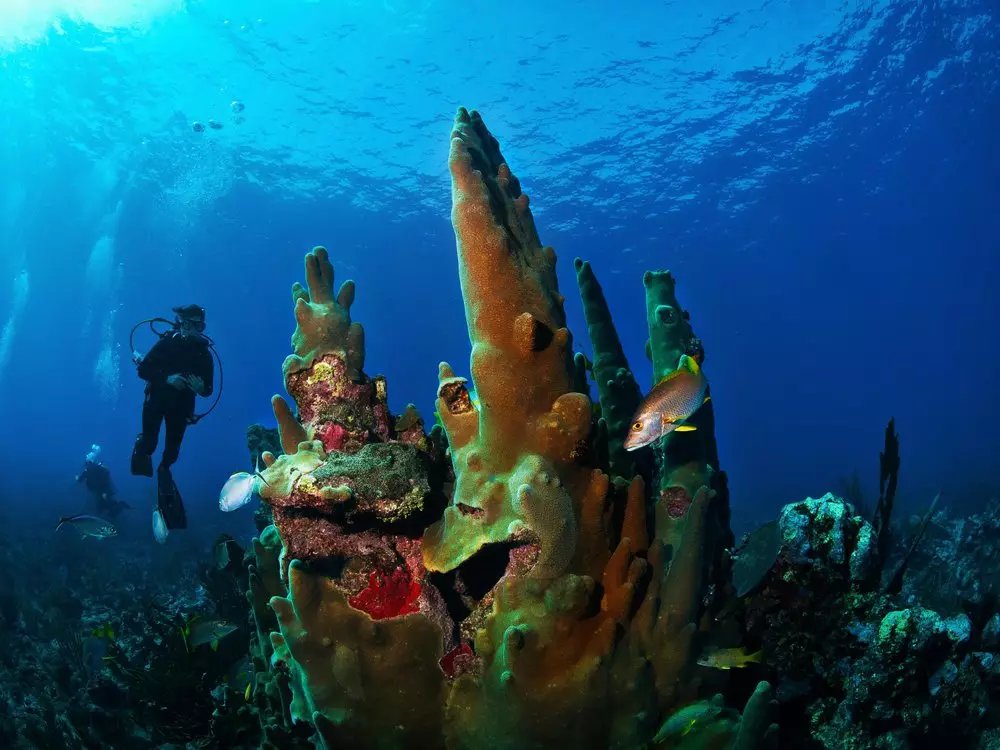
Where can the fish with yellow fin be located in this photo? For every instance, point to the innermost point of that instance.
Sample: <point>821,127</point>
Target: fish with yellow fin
<point>689,719</point>
<point>729,658</point>
<point>105,631</point>
<point>669,404</point>
<point>198,631</point>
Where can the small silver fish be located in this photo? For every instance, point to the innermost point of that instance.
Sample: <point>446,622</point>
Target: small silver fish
<point>240,489</point>
<point>673,400</point>
<point>226,552</point>
<point>86,525</point>
<point>160,530</point>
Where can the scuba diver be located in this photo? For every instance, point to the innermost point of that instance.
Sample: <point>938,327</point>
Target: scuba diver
<point>177,368</point>
<point>97,479</point>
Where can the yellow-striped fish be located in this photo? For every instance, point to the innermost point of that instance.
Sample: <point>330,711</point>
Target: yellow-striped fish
<point>665,409</point>
<point>729,658</point>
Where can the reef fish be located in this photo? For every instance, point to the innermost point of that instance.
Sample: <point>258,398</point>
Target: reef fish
<point>88,526</point>
<point>754,560</point>
<point>198,632</point>
<point>682,723</point>
<point>729,658</point>
<point>160,530</point>
<point>240,677</point>
<point>671,401</point>
<point>240,489</point>
<point>227,553</point>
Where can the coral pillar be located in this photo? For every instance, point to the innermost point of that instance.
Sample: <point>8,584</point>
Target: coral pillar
<point>518,455</point>
<point>617,390</point>
<point>689,460</point>
<point>588,638</point>
<point>350,497</point>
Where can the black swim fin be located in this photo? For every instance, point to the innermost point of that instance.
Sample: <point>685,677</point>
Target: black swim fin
<point>142,464</point>
<point>168,501</point>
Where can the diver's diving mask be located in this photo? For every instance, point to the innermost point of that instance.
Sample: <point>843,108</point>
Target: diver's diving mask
<point>191,315</point>
<point>198,325</point>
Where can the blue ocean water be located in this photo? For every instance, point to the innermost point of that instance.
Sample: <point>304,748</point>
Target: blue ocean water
<point>822,178</point>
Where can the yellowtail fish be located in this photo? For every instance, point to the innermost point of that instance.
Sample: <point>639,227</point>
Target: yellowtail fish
<point>672,401</point>
<point>729,658</point>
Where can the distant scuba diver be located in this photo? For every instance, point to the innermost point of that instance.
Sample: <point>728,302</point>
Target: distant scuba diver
<point>176,369</point>
<point>97,479</point>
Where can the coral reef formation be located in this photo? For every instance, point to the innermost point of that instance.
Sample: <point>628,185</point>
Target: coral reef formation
<point>957,568</point>
<point>854,667</point>
<point>488,585</point>
<point>514,578</point>
<point>93,654</point>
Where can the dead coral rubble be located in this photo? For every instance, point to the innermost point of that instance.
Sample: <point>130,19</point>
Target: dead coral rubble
<point>536,607</point>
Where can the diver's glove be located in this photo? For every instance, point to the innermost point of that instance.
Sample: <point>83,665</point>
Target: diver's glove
<point>137,358</point>
<point>196,384</point>
<point>177,380</point>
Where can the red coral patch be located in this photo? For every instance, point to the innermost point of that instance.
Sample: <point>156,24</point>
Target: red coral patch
<point>334,437</point>
<point>388,597</point>
<point>458,660</point>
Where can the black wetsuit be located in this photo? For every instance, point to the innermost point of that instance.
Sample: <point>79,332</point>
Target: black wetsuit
<point>97,479</point>
<point>164,404</point>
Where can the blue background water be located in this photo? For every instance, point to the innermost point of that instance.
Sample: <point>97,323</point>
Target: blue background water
<point>822,177</point>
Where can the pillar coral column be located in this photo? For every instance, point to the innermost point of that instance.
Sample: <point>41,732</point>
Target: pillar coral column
<point>617,389</point>
<point>347,459</point>
<point>588,639</point>
<point>351,497</point>
<point>688,460</point>
<point>518,456</point>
